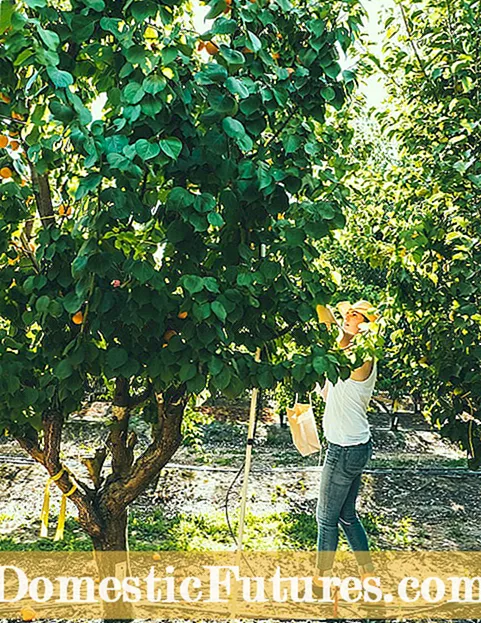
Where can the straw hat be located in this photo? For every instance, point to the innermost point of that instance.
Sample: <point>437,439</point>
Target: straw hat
<point>363,307</point>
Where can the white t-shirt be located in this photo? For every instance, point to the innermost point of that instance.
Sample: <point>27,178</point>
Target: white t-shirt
<point>345,421</point>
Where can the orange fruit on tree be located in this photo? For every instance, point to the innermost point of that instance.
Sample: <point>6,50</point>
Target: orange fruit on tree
<point>290,71</point>
<point>247,51</point>
<point>5,98</point>
<point>6,172</point>
<point>23,182</point>
<point>276,56</point>
<point>28,613</point>
<point>211,48</point>
<point>169,334</point>
<point>3,141</point>
<point>78,318</point>
<point>17,116</point>
<point>200,46</point>
<point>14,145</point>
<point>279,36</point>
<point>182,315</point>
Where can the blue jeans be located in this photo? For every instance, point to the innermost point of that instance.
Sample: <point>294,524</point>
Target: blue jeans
<point>340,482</point>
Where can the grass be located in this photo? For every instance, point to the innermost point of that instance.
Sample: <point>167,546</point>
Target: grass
<point>210,532</point>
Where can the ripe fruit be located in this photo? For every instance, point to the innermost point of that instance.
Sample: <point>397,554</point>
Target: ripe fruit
<point>28,613</point>
<point>23,182</point>
<point>276,56</point>
<point>182,315</point>
<point>211,48</point>
<point>3,141</point>
<point>5,98</point>
<point>78,318</point>
<point>64,210</point>
<point>17,116</point>
<point>169,334</point>
<point>6,172</point>
<point>290,71</point>
<point>156,556</point>
<point>201,46</point>
<point>280,216</point>
<point>116,283</point>
<point>279,36</point>
<point>14,145</point>
<point>247,51</point>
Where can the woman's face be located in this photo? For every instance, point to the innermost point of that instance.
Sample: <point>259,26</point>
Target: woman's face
<point>352,320</point>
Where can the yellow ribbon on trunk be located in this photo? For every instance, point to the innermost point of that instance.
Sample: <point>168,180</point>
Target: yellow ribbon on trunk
<point>63,507</point>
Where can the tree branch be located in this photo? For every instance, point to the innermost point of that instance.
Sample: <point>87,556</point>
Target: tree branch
<point>120,442</point>
<point>167,438</point>
<point>49,457</point>
<point>411,41</point>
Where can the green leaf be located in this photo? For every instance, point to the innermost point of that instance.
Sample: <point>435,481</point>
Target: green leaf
<point>215,219</point>
<point>237,87</point>
<point>233,128</point>
<point>133,93</point>
<point>171,147</point>
<point>213,73</point>
<point>143,9</point>
<point>255,43</point>
<point>117,357</point>
<point>328,94</point>
<point>169,54</point>
<point>146,150</point>
<point>42,304</point>
<point>143,272</point>
<point>72,303</point>
<point>50,38</point>
<point>61,112</point>
<point>136,54</point>
<point>154,84</point>
<point>219,310</point>
<point>61,79</point>
<point>320,364</point>
<point>192,283</point>
<point>232,57</point>
<point>216,8</point>
<point>187,371</point>
<point>6,11</point>
<point>332,70</point>
<point>63,370</point>
<point>222,380</point>
<point>96,5</point>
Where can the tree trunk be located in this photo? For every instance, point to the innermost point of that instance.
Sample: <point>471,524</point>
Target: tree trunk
<point>112,558</point>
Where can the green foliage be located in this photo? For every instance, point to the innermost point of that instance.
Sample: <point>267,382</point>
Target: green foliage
<point>115,223</point>
<point>193,428</point>
<point>417,213</point>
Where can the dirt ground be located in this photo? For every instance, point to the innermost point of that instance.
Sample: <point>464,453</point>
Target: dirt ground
<point>437,511</point>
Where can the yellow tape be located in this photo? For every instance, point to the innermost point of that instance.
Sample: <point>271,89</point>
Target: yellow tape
<point>61,518</point>
<point>46,507</point>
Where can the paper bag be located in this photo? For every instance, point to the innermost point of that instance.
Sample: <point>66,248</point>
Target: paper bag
<point>303,428</point>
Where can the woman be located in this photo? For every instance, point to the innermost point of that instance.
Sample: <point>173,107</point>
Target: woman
<point>347,432</point>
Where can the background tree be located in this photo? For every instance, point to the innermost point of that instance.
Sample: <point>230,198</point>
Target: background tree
<point>156,246</point>
<point>417,207</point>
